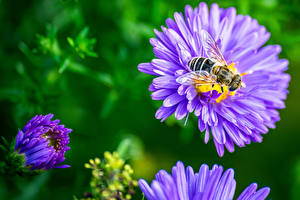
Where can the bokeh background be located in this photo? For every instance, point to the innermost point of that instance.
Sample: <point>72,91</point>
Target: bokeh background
<point>78,59</point>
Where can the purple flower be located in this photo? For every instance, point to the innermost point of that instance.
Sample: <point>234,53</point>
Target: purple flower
<point>43,143</point>
<point>231,117</point>
<point>207,184</point>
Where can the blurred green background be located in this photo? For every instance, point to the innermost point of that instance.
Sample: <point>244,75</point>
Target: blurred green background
<point>78,59</point>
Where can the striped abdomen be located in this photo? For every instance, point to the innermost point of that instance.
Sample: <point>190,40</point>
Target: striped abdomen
<point>201,64</point>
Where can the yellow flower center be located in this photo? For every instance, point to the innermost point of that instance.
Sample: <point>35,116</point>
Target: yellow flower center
<point>226,92</point>
<point>54,141</point>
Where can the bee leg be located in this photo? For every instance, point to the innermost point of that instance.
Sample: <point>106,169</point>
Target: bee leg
<point>212,86</point>
<point>222,89</point>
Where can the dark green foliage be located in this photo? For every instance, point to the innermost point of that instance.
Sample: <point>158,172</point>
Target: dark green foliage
<point>52,63</point>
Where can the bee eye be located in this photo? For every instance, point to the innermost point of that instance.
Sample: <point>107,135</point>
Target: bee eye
<point>233,87</point>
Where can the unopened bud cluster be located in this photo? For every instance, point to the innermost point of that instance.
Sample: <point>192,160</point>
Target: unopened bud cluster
<point>111,178</point>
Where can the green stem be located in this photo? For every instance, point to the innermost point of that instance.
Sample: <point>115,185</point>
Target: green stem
<point>76,67</point>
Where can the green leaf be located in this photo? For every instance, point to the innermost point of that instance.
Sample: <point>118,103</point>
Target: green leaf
<point>31,189</point>
<point>83,45</point>
<point>130,147</point>
<point>71,41</point>
<point>109,103</point>
<point>3,148</point>
<point>64,65</point>
<point>5,141</point>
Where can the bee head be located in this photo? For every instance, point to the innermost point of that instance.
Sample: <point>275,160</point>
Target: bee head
<point>235,83</point>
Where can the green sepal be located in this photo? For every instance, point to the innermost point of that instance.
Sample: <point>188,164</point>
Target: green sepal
<point>13,162</point>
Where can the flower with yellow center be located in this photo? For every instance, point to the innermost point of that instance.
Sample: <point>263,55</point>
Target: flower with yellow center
<point>230,118</point>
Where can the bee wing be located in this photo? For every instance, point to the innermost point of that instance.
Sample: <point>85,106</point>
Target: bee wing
<point>211,48</point>
<point>195,78</point>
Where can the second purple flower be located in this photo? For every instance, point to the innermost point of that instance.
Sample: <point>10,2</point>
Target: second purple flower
<point>43,143</point>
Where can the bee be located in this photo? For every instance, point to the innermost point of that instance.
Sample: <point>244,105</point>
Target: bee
<point>211,70</point>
